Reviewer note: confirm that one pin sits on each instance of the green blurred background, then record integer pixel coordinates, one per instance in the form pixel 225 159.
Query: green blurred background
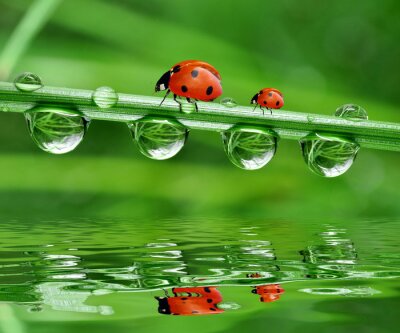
pixel 319 54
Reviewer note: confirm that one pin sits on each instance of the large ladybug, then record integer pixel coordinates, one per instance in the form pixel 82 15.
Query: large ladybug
pixel 269 98
pixel 191 301
pixel 193 79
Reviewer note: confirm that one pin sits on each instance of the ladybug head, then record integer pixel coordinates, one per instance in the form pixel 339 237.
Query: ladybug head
pixel 163 82
pixel 254 99
pixel 163 306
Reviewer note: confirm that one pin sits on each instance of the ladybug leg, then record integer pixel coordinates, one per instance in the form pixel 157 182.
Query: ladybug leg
pixel 195 104
pixel 255 108
pixel 270 110
pixel 168 91
pixel 179 102
pixel 261 108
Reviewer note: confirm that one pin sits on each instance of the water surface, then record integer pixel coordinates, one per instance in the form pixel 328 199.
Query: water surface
pixel 214 275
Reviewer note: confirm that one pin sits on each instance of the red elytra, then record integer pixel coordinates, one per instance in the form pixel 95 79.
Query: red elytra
pixel 195 301
pixel 269 292
pixel 269 98
pixel 197 63
pixel 195 82
pixel 192 79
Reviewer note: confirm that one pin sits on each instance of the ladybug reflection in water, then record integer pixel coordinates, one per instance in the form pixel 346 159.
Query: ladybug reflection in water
pixel 191 301
pixel 268 292
pixel 193 79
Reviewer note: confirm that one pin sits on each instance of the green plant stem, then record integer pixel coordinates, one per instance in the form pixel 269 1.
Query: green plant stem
pixel 32 22
pixel 211 116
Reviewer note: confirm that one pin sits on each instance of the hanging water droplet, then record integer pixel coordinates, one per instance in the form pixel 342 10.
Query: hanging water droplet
pixel 328 156
pixel 249 148
pixel 56 130
pixel 105 97
pixel 228 102
pixel 158 138
pixel 351 112
pixel 28 82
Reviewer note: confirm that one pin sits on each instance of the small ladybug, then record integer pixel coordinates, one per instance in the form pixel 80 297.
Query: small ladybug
pixel 191 301
pixel 193 79
pixel 268 292
pixel 269 98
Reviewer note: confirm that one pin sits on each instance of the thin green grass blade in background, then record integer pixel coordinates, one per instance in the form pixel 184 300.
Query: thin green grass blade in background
pixel 33 21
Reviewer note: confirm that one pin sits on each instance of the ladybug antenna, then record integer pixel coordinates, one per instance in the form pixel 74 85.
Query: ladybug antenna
pixel 165 292
pixel 168 91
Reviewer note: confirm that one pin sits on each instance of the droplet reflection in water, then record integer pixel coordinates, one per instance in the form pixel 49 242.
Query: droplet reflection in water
pixel 105 97
pixel 351 112
pixel 228 102
pixel 159 138
pixel 229 306
pixel 28 82
pixel 328 156
pixel 343 291
pixel 249 148
pixel 56 130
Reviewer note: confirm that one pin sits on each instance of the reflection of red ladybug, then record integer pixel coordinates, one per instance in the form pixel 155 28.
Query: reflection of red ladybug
pixel 191 301
pixel 268 292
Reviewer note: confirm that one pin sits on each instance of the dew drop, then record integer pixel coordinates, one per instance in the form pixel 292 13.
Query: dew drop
pixel 351 112
pixel 310 119
pixel 228 102
pixel 28 82
pixel 187 107
pixel 105 97
pixel 328 156
pixel 159 138
pixel 56 130
pixel 249 148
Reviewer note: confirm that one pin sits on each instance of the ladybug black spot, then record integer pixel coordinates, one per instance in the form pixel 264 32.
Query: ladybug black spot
pixel 184 88
pixel 194 73
pixel 176 69
pixel 277 103
pixel 184 298
pixel 207 289
pixel 209 90
pixel 270 94
pixel 265 102
pixel 209 300
pixel 213 309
